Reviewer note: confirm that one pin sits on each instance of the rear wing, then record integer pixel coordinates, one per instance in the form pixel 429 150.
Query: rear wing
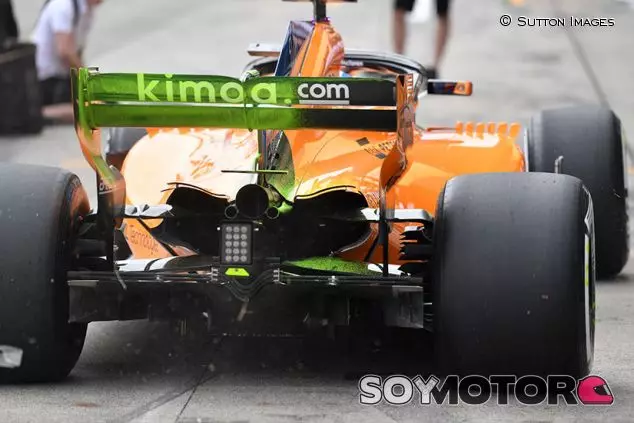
pixel 167 100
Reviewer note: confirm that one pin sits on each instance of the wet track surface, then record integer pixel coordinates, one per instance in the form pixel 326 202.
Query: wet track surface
pixel 143 372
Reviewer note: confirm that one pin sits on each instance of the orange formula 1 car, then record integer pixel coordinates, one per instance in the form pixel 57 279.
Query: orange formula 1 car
pixel 303 194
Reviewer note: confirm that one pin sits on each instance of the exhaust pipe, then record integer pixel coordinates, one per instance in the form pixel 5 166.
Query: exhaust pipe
pixel 254 201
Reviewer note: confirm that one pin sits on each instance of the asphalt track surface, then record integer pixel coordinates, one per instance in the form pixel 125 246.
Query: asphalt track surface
pixel 142 372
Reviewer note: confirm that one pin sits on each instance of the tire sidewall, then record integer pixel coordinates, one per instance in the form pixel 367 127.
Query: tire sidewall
pixel 601 167
pixel 40 302
pixel 580 301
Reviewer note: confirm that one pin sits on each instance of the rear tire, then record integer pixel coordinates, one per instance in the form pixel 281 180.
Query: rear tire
pixel 510 289
pixel 40 210
pixel 590 139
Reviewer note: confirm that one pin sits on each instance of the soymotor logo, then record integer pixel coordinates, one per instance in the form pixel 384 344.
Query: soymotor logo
pixel 477 390
pixel 232 92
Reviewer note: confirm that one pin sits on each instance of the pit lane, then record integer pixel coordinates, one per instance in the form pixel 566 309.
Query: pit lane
pixel 142 372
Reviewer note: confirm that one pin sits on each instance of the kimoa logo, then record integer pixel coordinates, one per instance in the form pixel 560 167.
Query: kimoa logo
pixel 233 92
pixel 317 93
pixel 202 91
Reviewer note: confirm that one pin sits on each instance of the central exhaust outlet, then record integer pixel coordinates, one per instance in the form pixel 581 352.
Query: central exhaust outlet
pixel 254 201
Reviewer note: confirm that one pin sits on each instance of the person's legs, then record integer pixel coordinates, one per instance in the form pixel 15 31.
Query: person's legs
pixel 442 30
pixel 401 8
pixel 57 100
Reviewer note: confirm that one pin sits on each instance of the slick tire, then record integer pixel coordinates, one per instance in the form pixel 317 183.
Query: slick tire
pixel 40 210
pixel 590 139
pixel 513 276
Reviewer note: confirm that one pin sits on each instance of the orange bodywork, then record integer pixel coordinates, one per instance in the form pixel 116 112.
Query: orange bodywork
pixel 321 159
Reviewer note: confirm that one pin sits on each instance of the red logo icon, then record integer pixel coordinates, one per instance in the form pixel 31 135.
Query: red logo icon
pixel 594 390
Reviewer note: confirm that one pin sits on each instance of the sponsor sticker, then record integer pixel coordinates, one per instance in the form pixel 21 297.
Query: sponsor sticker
pixel 232 92
pixel 327 94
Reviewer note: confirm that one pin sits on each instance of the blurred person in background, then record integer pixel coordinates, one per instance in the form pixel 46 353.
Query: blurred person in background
pixel 9 32
pixel 401 9
pixel 60 36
